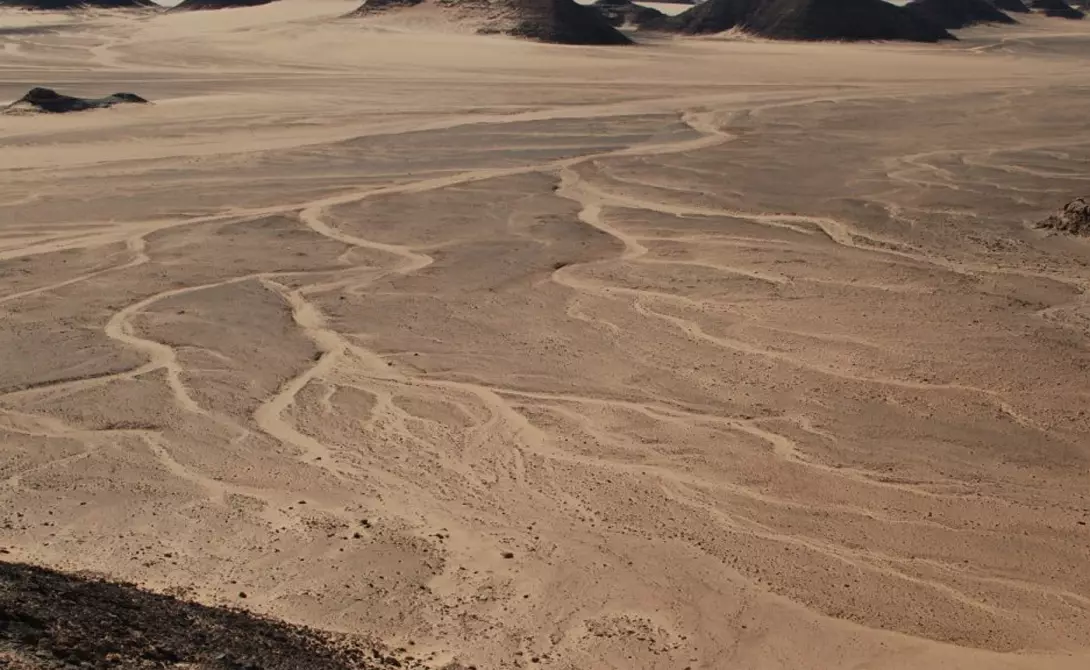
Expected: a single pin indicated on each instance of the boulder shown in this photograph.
(1073, 219)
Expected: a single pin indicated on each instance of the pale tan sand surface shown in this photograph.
(710, 353)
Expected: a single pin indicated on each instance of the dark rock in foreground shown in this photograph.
(218, 4)
(51, 620)
(1073, 219)
(48, 100)
(953, 14)
(555, 21)
(1056, 8)
(61, 5)
(1016, 6)
(624, 12)
(849, 20)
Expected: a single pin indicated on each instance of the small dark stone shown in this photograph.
(508, 554)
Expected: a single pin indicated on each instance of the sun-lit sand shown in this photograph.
(706, 353)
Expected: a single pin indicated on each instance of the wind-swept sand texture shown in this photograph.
(709, 353)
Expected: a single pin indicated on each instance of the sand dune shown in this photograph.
(715, 353)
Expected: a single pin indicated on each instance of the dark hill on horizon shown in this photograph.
(625, 12)
(187, 5)
(812, 20)
(1056, 8)
(61, 5)
(952, 14)
(552, 21)
(47, 100)
(1016, 6)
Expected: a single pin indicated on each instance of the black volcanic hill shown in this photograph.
(555, 21)
(1057, 8)
(218, 4)
(809, 20)
(1016, 6)
(50, 5)
(959, 13)
(625, 12)
(49, 101)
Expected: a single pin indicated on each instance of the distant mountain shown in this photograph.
(1016, 6)
(809, 20)
(51, 5)
(625, 12)
(49, 101)
(218, 4)
(1057, 8)
(556, 21)
(952, 14)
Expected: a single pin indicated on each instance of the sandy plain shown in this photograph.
(703, 353)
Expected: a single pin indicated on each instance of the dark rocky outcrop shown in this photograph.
(48, 100)
(64, 5)
(1073, 219)
(952, 14)
(624, 12)
(555, 21)
(1013, 6)
(50, 620)
(1056, 8)
(376, 6)
(188, 5)
(809, 20)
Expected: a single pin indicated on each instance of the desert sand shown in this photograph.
(706, 353)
